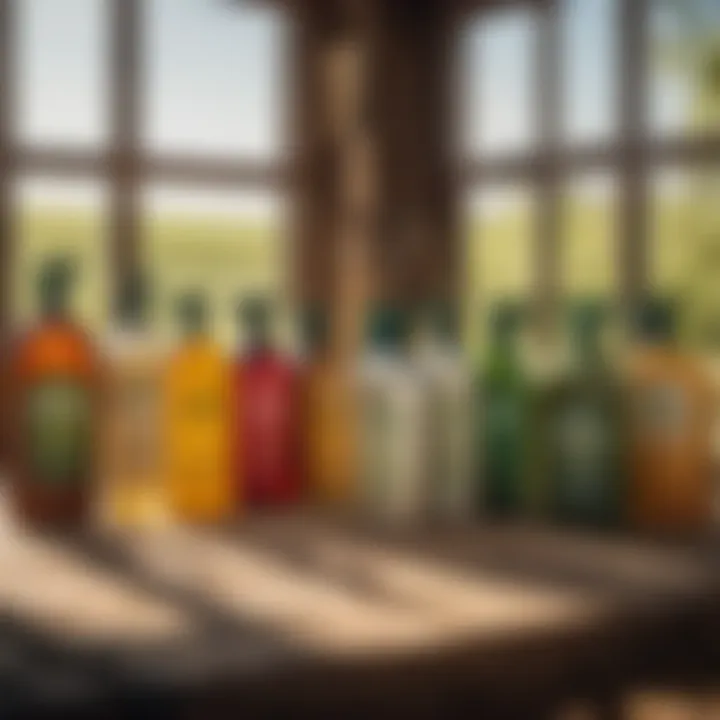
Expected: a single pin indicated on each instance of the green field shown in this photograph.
(229, 257)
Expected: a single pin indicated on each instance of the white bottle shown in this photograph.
(450, 408)
(392, 436)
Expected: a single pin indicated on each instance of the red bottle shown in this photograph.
(267, 400)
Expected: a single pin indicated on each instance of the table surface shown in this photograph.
(282, 601)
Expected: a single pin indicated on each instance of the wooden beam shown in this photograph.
(633, 241)
(691, 151)
(548, 97)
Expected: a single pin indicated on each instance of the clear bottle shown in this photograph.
(198, 421)
(133, 491)
(671, 419)
(55, 382)
(392, 435)
(449, 423)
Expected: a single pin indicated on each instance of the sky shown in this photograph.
(215, 80)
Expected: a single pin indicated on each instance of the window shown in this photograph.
(204, 155)
(596, 180)
(500, 111)
(684, 67)
(589, 41)
(63, 67)
(215, 81)
(226, 244)
(66, 218)
(500, 230)
(589, 238)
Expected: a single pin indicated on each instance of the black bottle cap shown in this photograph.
(255, 315)
(388, 327)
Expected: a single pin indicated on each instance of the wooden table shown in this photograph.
(302, 612)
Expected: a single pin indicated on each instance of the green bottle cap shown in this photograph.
(192, 313)
(255, 315)
(387, 328)
(55, 278)
(134, 299)
(656, 319)
(587, 317)
(315, 327)
(442, 320)
(506, 318)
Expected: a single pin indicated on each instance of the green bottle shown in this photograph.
(583, 433)
(504, 416)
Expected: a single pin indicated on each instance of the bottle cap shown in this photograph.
(55, 277)
(315, 327)
(506, 318)
(192, 312)
(134, 298)
(656, 319)
(387, 327)
(255, 314)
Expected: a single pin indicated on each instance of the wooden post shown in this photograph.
(125, 117)
(632, 260)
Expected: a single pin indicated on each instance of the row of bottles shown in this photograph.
(601, 443)
(136, 434)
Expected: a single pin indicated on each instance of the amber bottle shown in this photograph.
(55, 381)
(198, 421)
(329, 427)
(671, 415)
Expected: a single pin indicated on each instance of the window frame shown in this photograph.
(124, 164)
(633, 155)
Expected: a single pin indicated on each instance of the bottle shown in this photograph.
(198, 420)
(584, 437)
(133, 487)
(504, 403)
(671, 414)
(268, 407)
(449, 425)
(56, 381)
(329, 417)
(392, 436)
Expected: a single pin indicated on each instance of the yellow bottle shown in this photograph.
(329, 419)
(198, 419)
(132, 488)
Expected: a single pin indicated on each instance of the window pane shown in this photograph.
(685, 248)
(500, 231)
(68, 218)
(499, 115)
(227, 245)
(215, 78)
(589, 237)
(62, 88)
(684, 66)
(589, 33)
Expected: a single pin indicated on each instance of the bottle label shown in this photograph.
(137, 414)
(662, 411)
(58, 427)
(583, 445)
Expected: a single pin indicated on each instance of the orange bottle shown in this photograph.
(197, 417)
(329, 418)
(671, 408)
(55, 380)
